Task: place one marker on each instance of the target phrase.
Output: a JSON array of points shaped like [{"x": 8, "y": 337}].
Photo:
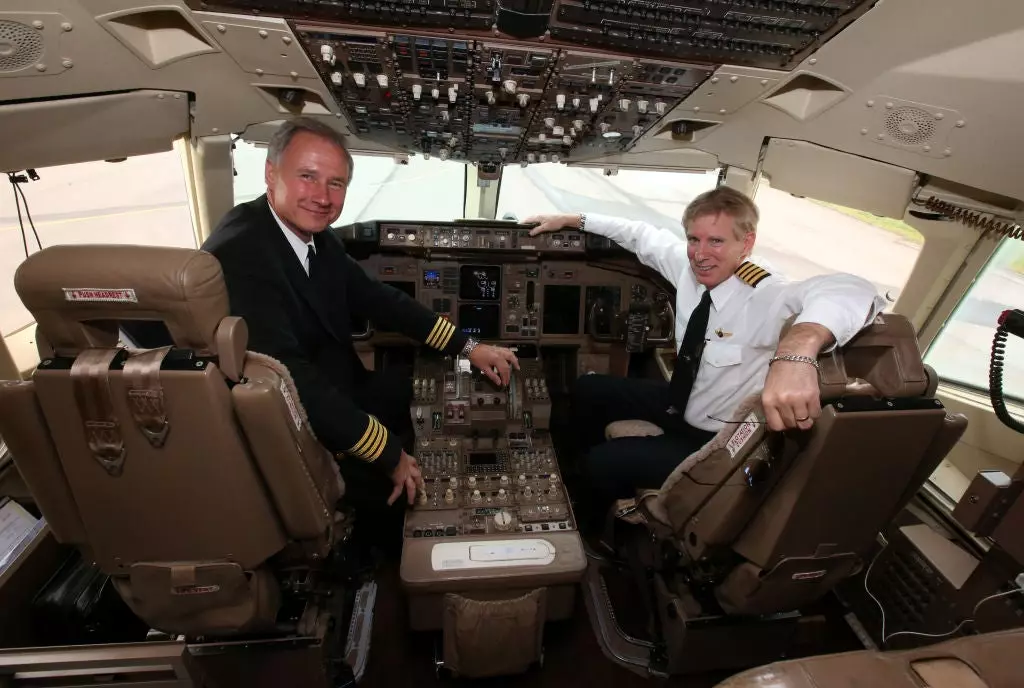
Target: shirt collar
[
  {"x": 721, "y": 294},
  {"x": 300, "y": 247}
]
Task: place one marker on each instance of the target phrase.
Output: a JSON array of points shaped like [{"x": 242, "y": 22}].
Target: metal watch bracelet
[{"x": 468, "y": 347}]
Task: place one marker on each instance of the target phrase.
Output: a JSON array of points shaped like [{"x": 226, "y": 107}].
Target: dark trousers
[
  {"x": 388, "y": 396},
  {"x": 617, "y": 468}
]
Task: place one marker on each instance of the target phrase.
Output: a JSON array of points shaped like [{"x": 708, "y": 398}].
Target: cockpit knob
[
  {"x": 524, "y": 99},
  {"x": 417, "y": 90},
  {"x": 641, "y": 106},
  {"x": 382, "y": 80},
  {"x": 449, "y": 497},
  {"x": 549, "y": 122},
  {"x": 509, "y": 85},
  {"x": 472, "y": 481},
  {"x": 527, "y": 491},
  {"x": 659, "y": 107},
  {"x": 522, "y": 478},
  {"x": 476, "y": 497},
  {"x": 502, "y": 495},
  {"x": 503, "y": 520},
  {"x": 504, "y": 480}
]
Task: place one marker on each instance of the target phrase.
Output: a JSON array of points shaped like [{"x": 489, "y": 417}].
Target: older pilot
[{"x": 729, "y": 317}]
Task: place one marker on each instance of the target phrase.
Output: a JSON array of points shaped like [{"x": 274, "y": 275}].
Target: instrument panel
[
  {"x": 535, "y": 81},
  {"x": 494, "y": 281}
]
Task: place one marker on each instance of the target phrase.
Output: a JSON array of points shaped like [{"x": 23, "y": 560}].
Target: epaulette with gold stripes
[
  {"x": 441, "y": 334},
  {"x": 372, "y": 443},
  {"x": 751, "y": 274}
]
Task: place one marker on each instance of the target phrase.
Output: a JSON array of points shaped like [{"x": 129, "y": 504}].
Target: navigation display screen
[
  {"x": 480, "y": 282},
  {"x": 479, "y": 320}
]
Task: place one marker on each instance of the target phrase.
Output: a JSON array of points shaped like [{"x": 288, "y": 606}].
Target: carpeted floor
[{"x": 400, "y": 658}]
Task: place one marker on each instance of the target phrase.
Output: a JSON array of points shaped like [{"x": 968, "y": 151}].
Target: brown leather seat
[
  {"x": 989, "y": 660},
  {"x": 182, "y": 472},
  {"x": 773, "y": 521}
]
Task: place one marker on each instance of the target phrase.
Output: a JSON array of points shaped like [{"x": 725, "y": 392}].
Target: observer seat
[{"x": 188, "y": 473}]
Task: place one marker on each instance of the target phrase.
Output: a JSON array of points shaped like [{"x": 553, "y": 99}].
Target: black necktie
[
  {"x": 688, "y": 359},
  {"x": 310, "y": 259}
]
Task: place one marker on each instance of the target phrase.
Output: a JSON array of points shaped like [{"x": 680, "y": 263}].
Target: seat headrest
[
  {"x": 883, "y": 359},
  {"x": 79, "y": 294}
]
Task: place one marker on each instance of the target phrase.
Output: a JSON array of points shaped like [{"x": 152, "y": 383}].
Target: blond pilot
[{"x": 729, "y": 317}]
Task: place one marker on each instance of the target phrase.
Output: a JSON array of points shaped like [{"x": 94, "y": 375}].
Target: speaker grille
[
  {"x": 20, "y": 46},
  {"x": 910, "y": 125}
]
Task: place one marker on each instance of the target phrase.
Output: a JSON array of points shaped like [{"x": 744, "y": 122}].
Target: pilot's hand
[
  {"x": 407, "y": 477},
  {"x": 495, "y": 362},
  {"x": 552, "y": 223},
  {"x": 791, "y": 397}
]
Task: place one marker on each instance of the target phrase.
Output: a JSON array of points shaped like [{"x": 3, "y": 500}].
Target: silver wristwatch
[{"x": 468, "y": 347}]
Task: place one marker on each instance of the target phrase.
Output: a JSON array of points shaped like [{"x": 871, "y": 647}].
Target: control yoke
[{"x": 632, "y": 325}]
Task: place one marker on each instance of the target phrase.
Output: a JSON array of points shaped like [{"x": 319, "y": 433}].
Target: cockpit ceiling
[{"x": 525, "y": 81}]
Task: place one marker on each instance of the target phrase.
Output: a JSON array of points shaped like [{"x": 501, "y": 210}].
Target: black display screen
[
  {"x": 561, "y": 309},
  {"x": 479, "y": 320},
  {"x": 482, "y": 458},
  {"x": 480, "y": 282}
]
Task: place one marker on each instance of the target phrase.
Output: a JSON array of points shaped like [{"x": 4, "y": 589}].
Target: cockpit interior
[{"x": 168, "y": 515}]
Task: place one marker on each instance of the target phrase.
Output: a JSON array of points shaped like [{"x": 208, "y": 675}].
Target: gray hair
[{"x": 284, "y": 134}]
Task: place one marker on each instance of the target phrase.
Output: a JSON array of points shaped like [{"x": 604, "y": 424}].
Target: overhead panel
[{"x": 465, "y": 79}]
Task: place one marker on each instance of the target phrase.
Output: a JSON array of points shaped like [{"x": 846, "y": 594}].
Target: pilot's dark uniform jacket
[
  {"x": 726, "y": 338},
  {"x": 298, "y": 301}
]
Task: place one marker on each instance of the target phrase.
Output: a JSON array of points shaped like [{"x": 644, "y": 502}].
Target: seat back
[
  {"x": 180, "y": 470},
  {"x": 790, "y": 514}
]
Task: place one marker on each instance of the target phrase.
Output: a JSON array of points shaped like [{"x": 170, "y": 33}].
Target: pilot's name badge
[{"x": 722, "y": 334}]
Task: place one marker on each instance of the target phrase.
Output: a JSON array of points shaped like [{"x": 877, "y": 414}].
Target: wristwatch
[
  {"x": 583, "y": 223},
  {"x": 468, "y": 347}
]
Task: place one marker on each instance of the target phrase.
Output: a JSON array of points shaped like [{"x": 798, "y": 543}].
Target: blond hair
[{"x": 724, "y": 199}]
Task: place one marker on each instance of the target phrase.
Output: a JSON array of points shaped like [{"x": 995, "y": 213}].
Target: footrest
[
  {"x": 488, "y": 637},
  {"x": 628, "y": 652}
]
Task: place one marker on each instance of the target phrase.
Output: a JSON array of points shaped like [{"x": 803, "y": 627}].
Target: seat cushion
[{"x": 631, "y": 428}]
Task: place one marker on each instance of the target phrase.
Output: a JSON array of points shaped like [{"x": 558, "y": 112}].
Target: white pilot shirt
[
  {"x": 300, "y": 247},
  {"x": 745, "y": 322}
]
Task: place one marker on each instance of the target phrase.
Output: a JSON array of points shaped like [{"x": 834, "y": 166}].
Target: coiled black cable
[{"x": 1009, "y": 321}]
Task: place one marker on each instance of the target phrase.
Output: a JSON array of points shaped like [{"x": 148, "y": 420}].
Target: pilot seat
[
  {"x": 757, "y": 525},
  {"x": 187, "y": 473}
]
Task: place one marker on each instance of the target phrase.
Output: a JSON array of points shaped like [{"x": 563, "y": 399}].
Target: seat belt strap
[
  {"x": 146, "y": 395},
  {"x": 90, "y": 377}
]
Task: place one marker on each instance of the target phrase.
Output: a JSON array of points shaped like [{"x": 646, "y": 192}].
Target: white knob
[
  {"x": 641, "y": 106},
  {"x": 445, "y": 115},
  {"x": 504, "y": 480},
  {"x": 527, "y": 491},
  {"x": 445, "y": 153},
  {"x": 502, "y": 520},
  {"x": 576, "y": 103},
  {"x": 417, "y": 90},
  {"x": 543, "y": 157},
  {"x": 636, "y": 130},
  {"x": 472, "y": 481},
  {"x": 659, "y": 107},
  {"x": 549, "y": 122},
  {"x": 509, "y": 85},
  {"x": 524, "y": 98},
  {"x": 542, "y": 137},
  {"x": 522, "y": 476},
  {"x": 557, "y": 131},
  {"x": 555, "y": 157},
  {"x": 423, "y": 497},
  {"x": 503, "y": 151},
  {"x": 567, "y": 140},
  {"x": 577, "y": 124},
  {"x": 476, "y": 496},
  {"x": 530, "y": 157},
  {"x": 611, "y": 77},
  {"x": 594, "y": 102},
  {"x": 624, "y": 104},
  {"x": 359, "y": 78},
  {"x": 327, "y": 52},
  {"x": 605, "y": 127},
  {"x": 435, "y": 93},
  {"x": 490, "y": 97},
  {"x": 553, "y": 479},
  {"x": 560, "y": 101},
  {"x": 382, "y": 79},
  {"x": 453, "y": 94},
  {"x": 336, "y": 78},
  {"x": 449, "y": 497},
  {"x": 502, "y": 495},
  {"x": 453, "y": 481}
]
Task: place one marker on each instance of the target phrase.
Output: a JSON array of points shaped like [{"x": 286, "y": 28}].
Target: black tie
[
  {"x": 688, "y": 359},
  {"x": 311, "y": 259}
]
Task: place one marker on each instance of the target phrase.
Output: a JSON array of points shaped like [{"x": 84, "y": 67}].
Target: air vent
[
  {"x": 20, "y": 46},
  {"x": 687, "y": 130},
  {"x": 806, "y": 96},
  {"x": 910, "y": 125},
  {"x": 159, "y": 37},
  {"x": 919, "y": 127},
  {"x": 293, "y": 100}
]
